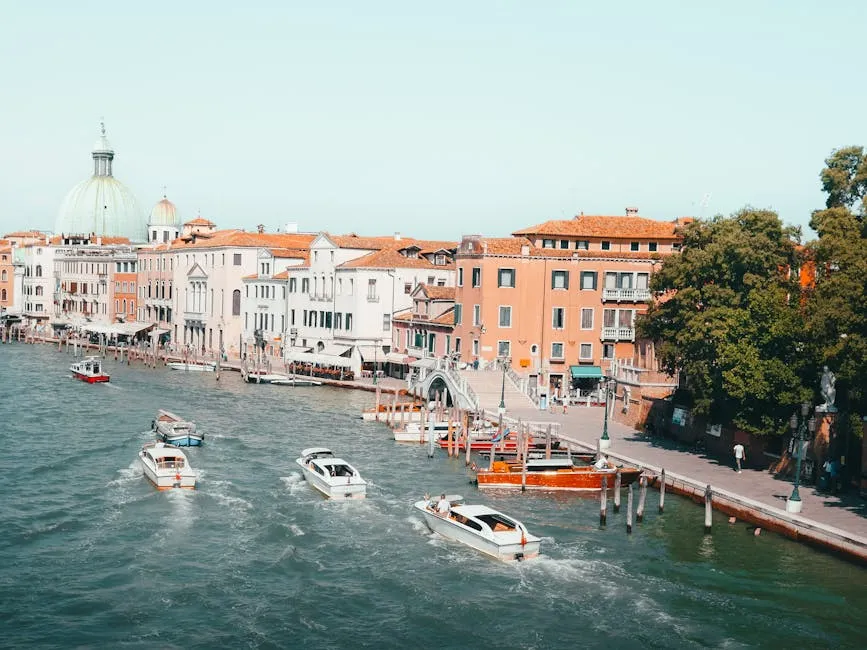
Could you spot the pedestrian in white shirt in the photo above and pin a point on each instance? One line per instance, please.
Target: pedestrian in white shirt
(740, 455)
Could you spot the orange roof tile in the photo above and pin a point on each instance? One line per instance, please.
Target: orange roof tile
(381, 242)
(604, 226)
(243, 239)
(446, 318)
(25, 233)
(284, 253)
(199, 221)
(438, 293)
(511, 246)
(390, 259)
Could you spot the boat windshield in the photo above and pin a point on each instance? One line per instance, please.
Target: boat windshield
(170, 462)
(340, 470)
(466, 521)
(498, 523)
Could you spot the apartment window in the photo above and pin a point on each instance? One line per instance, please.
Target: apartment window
(371, 289)
(348, 321)
(430, 280)
(475, 347)
(457, 345)
(652, 246)
(582, 245)
(634, 246)
(236, 302)
(558, 318)
(556, 350)
(559, 279)
(291, 317)
(457, 313)
(606, 246)
(237, 259)
(477, 315)
(386, 322)
(504, 349)
(609, 318)
(305, 285)
(607, 350)
(564, 244)
(675, 246)
(461, 276)
(505, 316)
(477, 276)
(506, 278)
(441, 282)
(585, 352)
(547, 243)
(293, 285)
(431, 342)
(338, 321)
(588, 280)
(642, 280)
(586, 319)
(328, 318)
(407, 287)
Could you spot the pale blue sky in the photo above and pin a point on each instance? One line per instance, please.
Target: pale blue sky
(432, 119)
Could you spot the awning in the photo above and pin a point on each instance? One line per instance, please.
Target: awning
(424, 363)
(119, 329)
(396, 357)
(335, 349)
(313, 357)
(158, 331)
(586, 372)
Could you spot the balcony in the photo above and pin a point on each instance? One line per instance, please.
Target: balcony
(418, 352)
(194, 319)
(372, 298)
(618, 333)
(625, 295)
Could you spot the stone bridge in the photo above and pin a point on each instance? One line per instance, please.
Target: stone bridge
(452, 387)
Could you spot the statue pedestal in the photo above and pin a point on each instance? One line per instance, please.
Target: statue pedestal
(604, 444)
(793, 506)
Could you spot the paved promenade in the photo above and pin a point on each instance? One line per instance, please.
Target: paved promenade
(847, 513)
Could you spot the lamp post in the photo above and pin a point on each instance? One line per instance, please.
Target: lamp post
(376, 345)
(605, 441)
(799, 434)
(501, 409)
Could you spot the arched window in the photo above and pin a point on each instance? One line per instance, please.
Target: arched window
(38, 270)
(4, 277)
(3, 292)
(38, 291)
(236, 302)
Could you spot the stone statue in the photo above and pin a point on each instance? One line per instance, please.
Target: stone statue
(829, 392)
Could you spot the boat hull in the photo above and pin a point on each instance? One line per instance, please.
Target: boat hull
(253, 378)
(90, 379)
(169, 479)
(192, 367)
(506, 552)
(581, 478)
(338, 491)
(192, 440)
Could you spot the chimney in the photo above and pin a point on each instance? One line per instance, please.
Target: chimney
(260, 228)
(397, 236)
(292, 227)
(631, 212)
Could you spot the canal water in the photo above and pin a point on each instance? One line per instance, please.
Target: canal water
(92, 556)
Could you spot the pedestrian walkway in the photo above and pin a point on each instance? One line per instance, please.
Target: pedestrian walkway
(488, 385)
(846, 512)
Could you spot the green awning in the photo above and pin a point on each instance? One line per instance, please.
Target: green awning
(586, 372)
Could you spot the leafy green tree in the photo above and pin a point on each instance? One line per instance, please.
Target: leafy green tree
(729, 319)
(844, 178)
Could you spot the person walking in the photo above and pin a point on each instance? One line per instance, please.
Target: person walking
(740, 456)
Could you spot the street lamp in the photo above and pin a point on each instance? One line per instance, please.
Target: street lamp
(376, 345)
(799, 434)
(501, 409)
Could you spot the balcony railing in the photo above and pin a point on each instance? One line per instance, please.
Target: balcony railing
(372, 298)
(618, 333)
(626, 295)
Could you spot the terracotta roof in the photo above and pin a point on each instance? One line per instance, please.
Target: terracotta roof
(243, 239)
(403, 316)
(603, 226)
(199, 221)
(438, 293)
(25, 233)
(446, 318)
(511, 246)
(381, 242)
(285, 253)
(390, 259)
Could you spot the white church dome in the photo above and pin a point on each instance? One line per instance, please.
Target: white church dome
(102, 204)
(164, 214)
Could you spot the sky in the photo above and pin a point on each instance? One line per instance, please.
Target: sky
(430, 119)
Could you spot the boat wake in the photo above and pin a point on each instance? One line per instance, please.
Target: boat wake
(295, 483)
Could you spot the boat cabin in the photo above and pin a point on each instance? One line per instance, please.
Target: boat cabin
(337, 468)
(315, 453)
(165, 456)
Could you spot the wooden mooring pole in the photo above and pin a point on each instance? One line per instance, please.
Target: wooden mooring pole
(708, 509)
(629, 510)
(603, 502)
(617, 480)
(642, 495)
(662, 491)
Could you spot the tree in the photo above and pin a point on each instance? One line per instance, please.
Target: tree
(730, 320)
(845, 178)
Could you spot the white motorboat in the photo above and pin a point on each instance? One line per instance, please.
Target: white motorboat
(295, 380)
(482, 528)
(262, 377)
(166, 466)
(208, 366)
(332, 476)
(170, 428)
(413, 432)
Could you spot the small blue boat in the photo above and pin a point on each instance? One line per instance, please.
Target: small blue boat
(169, 428)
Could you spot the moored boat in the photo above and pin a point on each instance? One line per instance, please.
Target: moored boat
(552, 474)
(332, 476)
(170, 428)
(166, 466)
(295, 380)
(89, 370)
(413, 432)
(207, 366)
(482, 528)
(262, 377)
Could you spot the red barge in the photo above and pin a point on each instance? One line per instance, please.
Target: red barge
(89, 370)
(552, 474)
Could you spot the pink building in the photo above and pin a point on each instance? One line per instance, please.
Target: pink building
(426, 330)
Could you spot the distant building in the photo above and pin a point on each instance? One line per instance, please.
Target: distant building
(427, 330)
(559, 299)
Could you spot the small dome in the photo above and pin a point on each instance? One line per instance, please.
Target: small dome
(104, 206)
(164, 214)
(102, 145)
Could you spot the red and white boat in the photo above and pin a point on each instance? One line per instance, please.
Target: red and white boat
(90, 370)
(552, 474)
